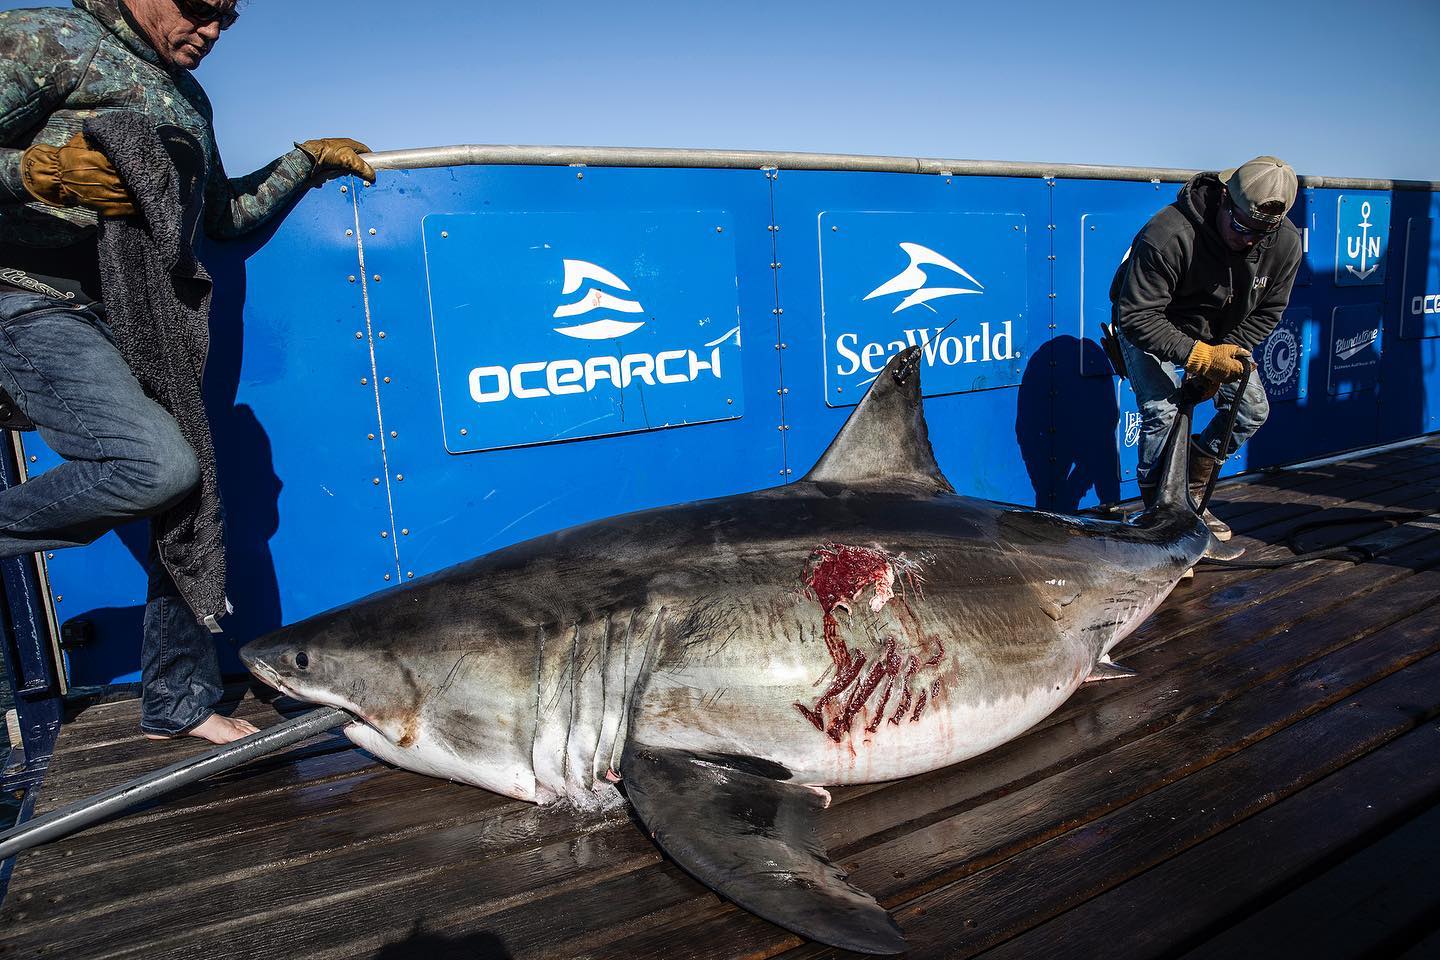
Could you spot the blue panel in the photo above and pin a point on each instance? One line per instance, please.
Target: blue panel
(1420, 292)
(953, 283)
(1354, 346)
(1283, 358)
(1105, 240)
(1362, 237)
(448, 508)
(560, 326)
(1010, 424)
(1302, 215)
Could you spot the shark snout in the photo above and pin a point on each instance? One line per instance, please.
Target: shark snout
(277, 665)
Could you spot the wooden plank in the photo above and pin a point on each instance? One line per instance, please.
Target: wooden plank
(1368, 902)
(1194, 607)
(1186, 898)
(1032, 886)
(91, 759)
(302, 817)
(1333, 478)
(1240, 504)
(340, 874)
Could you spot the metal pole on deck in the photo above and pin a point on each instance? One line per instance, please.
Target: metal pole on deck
(83, 813)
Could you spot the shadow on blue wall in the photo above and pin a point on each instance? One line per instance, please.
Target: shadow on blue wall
(1065, 424)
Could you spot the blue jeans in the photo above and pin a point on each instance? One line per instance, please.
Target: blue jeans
(124, 459)
(1155, 382)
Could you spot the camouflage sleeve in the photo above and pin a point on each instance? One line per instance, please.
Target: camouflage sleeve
(39, 65)
(235, 207)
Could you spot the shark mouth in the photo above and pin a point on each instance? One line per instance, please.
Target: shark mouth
(269, 676)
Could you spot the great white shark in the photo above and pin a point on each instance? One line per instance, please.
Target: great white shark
(721, 662)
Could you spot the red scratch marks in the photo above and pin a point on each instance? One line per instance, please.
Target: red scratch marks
(905, 696)
(811, 715)
(838, 576)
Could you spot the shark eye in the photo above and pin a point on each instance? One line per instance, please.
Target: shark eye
(302, 660)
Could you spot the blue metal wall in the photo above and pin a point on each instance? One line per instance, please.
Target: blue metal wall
(340, 332)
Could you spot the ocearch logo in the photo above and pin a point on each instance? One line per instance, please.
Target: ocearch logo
(605, 328)
(534, 379)
(1426, 303)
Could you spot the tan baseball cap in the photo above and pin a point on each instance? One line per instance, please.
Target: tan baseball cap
(1263, 189)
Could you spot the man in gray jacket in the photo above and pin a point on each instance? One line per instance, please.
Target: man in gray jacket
(1204, 282)
(124, 454)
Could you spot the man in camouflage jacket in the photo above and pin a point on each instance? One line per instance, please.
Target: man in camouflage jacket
(124, 456)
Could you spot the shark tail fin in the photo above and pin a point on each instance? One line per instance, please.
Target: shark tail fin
(886, 441)
(1173, 493)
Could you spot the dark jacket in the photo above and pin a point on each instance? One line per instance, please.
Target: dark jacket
(1180, 283)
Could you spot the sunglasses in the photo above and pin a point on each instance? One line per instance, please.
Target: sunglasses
(202, 13)
(1245, 231)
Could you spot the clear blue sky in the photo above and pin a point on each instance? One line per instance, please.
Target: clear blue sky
(1346, 89)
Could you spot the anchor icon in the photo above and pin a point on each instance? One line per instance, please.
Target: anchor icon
(1363, 246)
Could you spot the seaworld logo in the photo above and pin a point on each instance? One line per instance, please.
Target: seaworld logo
(950, 351)
(991, 343)
(534, 379)
(914, 279)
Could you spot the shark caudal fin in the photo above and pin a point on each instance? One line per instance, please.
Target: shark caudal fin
(1173, 495)
(885, 441)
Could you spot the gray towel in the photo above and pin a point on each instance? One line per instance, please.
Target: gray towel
(157, 301)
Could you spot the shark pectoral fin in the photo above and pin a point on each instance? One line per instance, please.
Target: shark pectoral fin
(1220, 550)
(739, 828)
(1107, 669)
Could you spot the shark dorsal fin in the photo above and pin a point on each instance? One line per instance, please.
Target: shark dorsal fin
(885, 441)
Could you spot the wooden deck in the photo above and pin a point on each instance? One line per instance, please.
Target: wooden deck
(1269, 785)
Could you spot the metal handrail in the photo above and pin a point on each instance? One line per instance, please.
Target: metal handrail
(563, 156)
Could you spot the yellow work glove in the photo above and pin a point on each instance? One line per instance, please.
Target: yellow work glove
(1219, 362)
(337, 156)
(75, 175)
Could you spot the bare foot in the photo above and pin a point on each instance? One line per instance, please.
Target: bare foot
(216, 729)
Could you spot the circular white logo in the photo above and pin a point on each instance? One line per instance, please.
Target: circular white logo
(1280, 363)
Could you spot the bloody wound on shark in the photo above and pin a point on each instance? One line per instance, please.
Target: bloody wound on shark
(722, 662)
(837, 576)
